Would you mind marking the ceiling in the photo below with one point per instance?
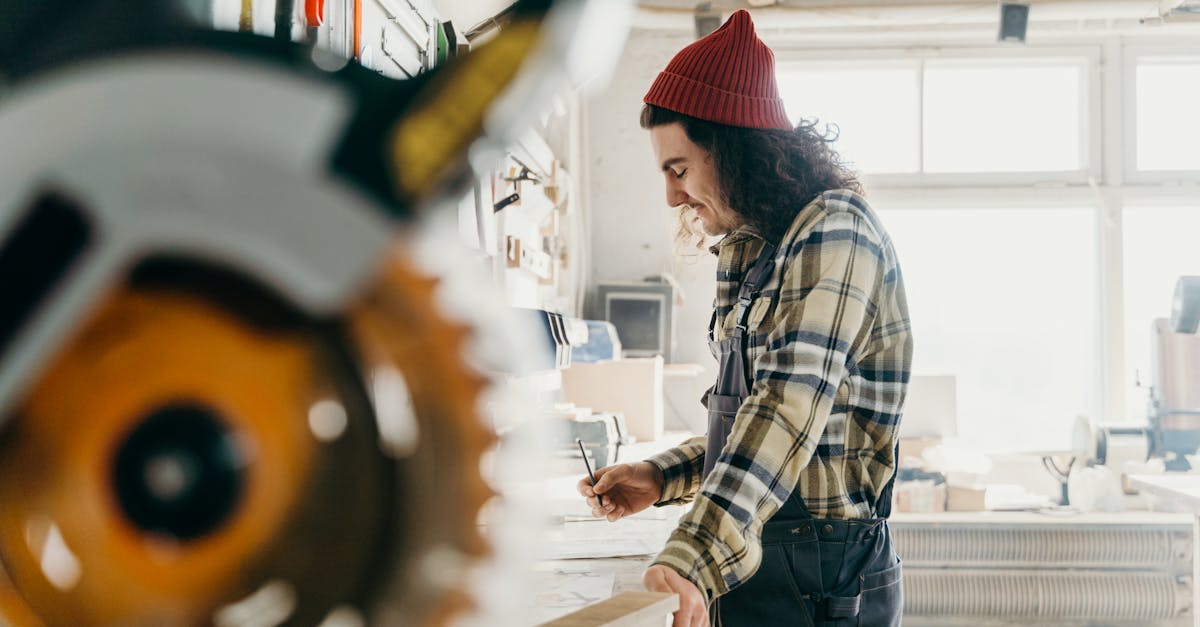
(798, 4)
(861, 15)
(865, 19)
(1094, 9)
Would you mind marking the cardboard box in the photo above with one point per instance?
(919, 496)
(965, 498)
(633, 387)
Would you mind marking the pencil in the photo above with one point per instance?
(599, 499)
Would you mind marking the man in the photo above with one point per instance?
(792, 485)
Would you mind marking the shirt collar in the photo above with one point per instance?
(740, 234)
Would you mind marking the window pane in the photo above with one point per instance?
(874, 138)
(1006, 301)
(1168, 128)
(1003, 117)
(1159, 246)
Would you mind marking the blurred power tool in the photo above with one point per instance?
(1172, 430)
(226, 394)
(1174, 411)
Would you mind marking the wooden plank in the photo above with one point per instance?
(628, 609)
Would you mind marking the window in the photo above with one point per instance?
(1010, 116)
(1006, 301)
(970, 115)
(986, 163)
(874, 138)
(1168, 113)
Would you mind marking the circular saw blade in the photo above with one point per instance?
(326, 513)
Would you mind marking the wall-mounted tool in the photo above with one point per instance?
(314, 12)
(506, 201)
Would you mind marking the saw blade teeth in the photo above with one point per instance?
(404, 321)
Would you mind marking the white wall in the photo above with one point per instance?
(631, 225)
(630, 220)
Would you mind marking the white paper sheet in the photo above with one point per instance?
(585, 548)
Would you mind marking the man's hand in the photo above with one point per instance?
(692, 611)
(627, 489)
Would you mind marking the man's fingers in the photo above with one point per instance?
(691, 612)
(610, 476)
(585, 487)
(685, 616)
(699, 617)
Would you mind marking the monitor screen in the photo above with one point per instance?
(638, 318)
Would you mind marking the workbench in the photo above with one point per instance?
(594, 573)
(1182, 492)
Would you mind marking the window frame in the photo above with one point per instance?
(1087, 56)
(1133, 53)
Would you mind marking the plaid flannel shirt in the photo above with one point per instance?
(829, 347)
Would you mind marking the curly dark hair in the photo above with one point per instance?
(765, 175)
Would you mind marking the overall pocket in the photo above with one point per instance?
(882, 603)
(770, 598)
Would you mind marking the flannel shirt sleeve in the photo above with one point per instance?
(681, 467)
(825, 308)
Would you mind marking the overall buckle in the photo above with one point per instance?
(743, 305)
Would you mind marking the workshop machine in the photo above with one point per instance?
(1174, 409)
(1172, 432)
(206, 260)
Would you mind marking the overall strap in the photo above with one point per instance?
(751, 286)
(733, 383)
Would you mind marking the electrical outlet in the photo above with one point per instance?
(535, 261)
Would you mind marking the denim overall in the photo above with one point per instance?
(816, 572)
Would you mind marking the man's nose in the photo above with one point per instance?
(675, 194)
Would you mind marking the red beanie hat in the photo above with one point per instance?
(728, 77)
